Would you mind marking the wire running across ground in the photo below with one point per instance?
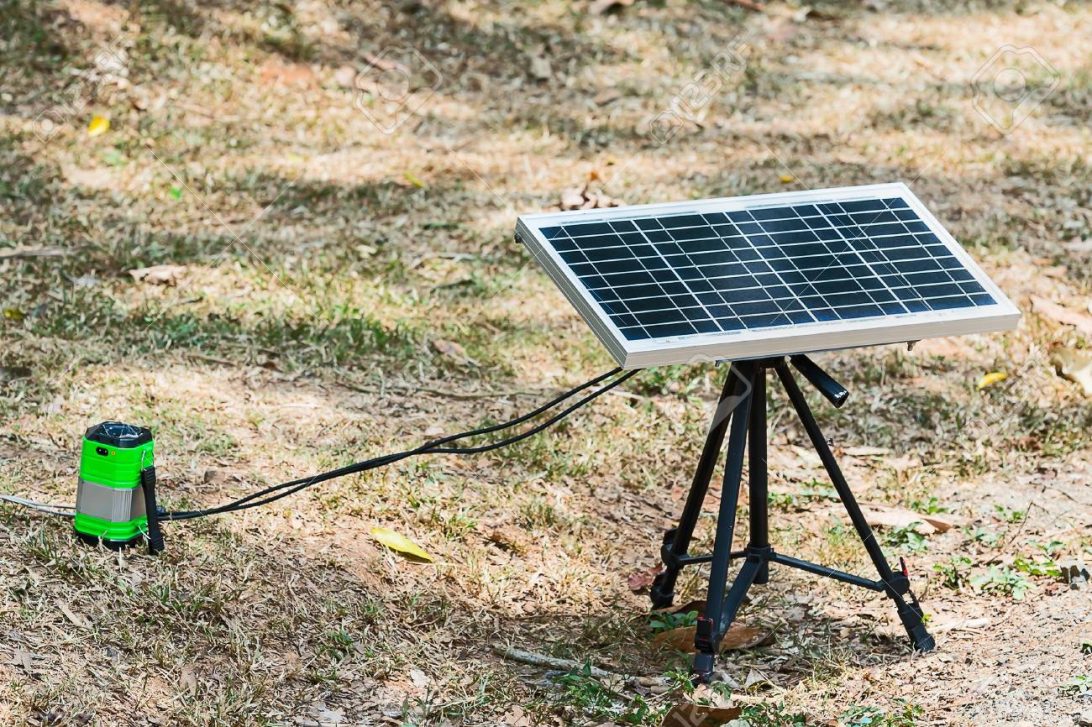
(434, 446)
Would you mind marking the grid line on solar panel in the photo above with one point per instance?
(723, 271)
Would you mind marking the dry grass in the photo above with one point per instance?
(323, 255)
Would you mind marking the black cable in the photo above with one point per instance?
(396, 456)
(431, 447)
(276, 492)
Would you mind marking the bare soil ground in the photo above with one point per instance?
(339, 182)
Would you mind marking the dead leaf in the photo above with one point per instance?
(507, 538)
(220, 477)
(23, 658)
(689, 713)
(517, 717)
(325, 715)
(540, 68)
(78, 620)
(451, 350)
(159, 274)
(400, 544)
(572, 199)
(14, 314)
(739, 637)
(586, 198)
(1075, 366)
(680, 639)
(896, 517)
(384, 64)
(867, 451)
(606, 96)
(641, 580)
(419, 678)
(754, 676)
(345, 76)
(187, 679)
(958, 624)
(1059, 314)
(697, 605)
(274, 73)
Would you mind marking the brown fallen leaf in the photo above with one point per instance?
(754, 676)
(739, 637)
(704, 708)
(451, 350)
(384, 63)
(220, 477)
(607, 96)
(958, 624)
(517, 717)
(273, 73)
(586, 198)
(572, 199)
(187, 680)
(507, 538)
(1075, 366)
(23, 658)
(697, 605)
(78, 620)
(345, 76)
(159, 274)
(540, 68)
(1060, 314)
(867, 451)
(896, 517)
(641, 580)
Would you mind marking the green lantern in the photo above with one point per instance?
(115, 496)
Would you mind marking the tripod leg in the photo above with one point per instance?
(711, 626)
(677, 541)
(757, 474)
(897, 585)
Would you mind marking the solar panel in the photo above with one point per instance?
(765, 275)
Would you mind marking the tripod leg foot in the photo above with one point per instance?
(662, 593)
(703, 667)
(915, 628)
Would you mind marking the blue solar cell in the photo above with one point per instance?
(683, 221)
(714, 272)
(863, 205)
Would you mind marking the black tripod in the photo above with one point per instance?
(743, 402)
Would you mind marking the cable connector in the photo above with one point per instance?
(155, 535)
